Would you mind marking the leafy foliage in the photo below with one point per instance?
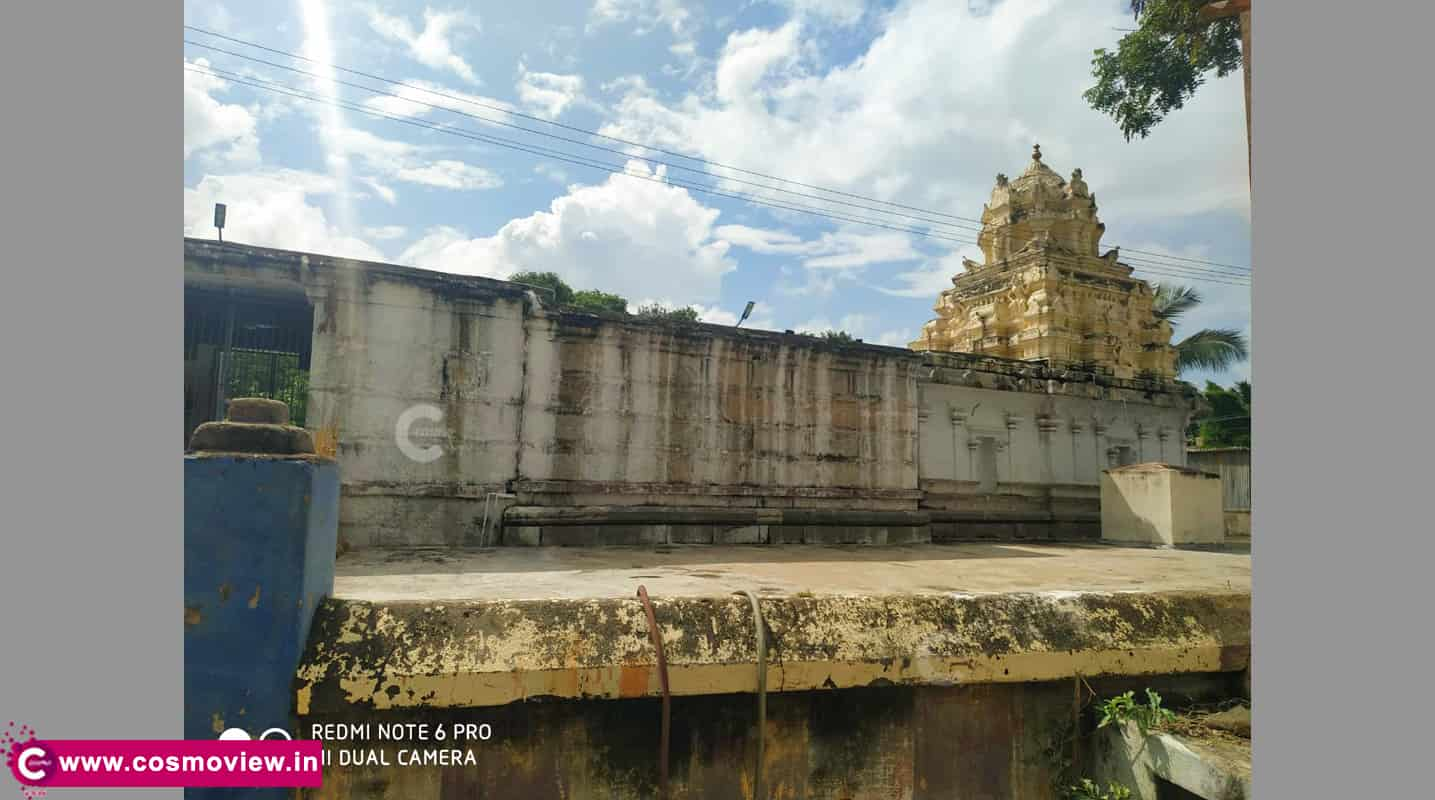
(1090, 790)
(595, 300)
(275, 375)
(562, 292)
(1172, 301)
(665, 314)
(1229, 422)
(1159, 66)
(1215, 349)
(841, 337)
(1124, 707)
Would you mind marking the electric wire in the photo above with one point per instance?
(1185, 273)
(629, 143)
(489, 120)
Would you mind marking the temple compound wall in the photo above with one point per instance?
(437, 391)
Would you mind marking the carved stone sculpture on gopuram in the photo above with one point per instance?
(1043, 293)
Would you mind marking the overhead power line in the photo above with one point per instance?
(490, 120)
(1158, 258)
(705, 173)
(615, 168)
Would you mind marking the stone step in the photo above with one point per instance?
(578, 526)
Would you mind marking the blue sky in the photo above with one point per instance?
(919, 102)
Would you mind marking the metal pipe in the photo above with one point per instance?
(761, 630)
(667, 699)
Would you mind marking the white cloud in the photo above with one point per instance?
(434, 45)
(762, 240)
(408, 163)
(840, 12)
(942, 100)
(271, 210)
(856, 325)
(384, 192)
(417, 98)
(749, 56)
(643, 16)
(553, 173)
(896, 338)
(637, 238)
(547, 94)
(227, 130)
(761, 319)
(384, 233)
(844, 249)
(448, 174)
(813, 284)
(932, 276)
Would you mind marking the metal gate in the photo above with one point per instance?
(244, 345)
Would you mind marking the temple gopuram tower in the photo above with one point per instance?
(1043, 293)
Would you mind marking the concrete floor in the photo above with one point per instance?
(522, 573)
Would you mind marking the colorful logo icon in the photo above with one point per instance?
(30, 760)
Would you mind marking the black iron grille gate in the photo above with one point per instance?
(242, 345)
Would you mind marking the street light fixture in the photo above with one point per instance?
(746, 312)
(219, 210)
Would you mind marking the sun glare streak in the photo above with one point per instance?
(319, 45)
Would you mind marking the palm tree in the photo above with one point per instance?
(1215, 349)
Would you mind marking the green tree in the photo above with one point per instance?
(841, 337)
(595, 300)
(1216, 349)
(1228, 424)
(662, 313)
(1160, 65)
(562, 292)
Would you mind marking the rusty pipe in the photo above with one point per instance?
(657, 638)
(761, 631)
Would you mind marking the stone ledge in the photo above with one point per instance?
(477, 653)
(582, 534)
(577, 487)
(1016, 530)
(689, 515)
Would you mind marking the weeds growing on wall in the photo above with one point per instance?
(1124, 708)
(1064, 744)
(1089, 790)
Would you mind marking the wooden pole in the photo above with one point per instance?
(1230, 8)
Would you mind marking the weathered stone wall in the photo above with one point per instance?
(1008, 451)
(387, 339)
(569, 408)
(566, 409)
(981, 740)
(383, 346)
(622, 412)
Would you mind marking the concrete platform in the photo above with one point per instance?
(429, 575)
(454, 629)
